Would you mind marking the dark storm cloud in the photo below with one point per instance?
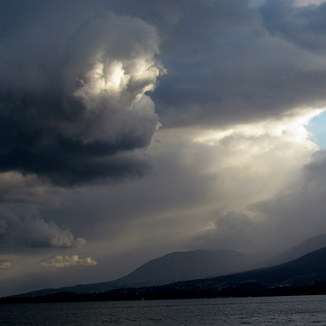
(227, 61)
(72, 101)
(304, 26)
(34, 232)
(226, 65)
(15, 189)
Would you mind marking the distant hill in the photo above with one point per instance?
(302, 271)
(305, 247)
(305, 275)
(188, 265)
(173, 267)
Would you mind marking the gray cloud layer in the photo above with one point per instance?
(303, 26)
(35, 233)
(229, 61)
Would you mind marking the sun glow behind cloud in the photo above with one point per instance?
(291, 127)
(100, 79)
(266, 156)
(116, 78)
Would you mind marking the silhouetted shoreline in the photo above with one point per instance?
(184, 290)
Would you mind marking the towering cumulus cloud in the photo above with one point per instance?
(74, 108)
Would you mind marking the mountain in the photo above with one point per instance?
(305, 275)
(305, 247)
(305, 270)
(173, 267)
(190, 265)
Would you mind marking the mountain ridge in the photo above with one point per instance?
(305, 275)
(183, 266)
(173, 266)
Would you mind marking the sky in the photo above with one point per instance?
(318, 130)
(133, 128)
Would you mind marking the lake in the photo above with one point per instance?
(294, 310)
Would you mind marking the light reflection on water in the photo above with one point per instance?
(296, 310)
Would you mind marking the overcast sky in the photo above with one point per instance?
(133, 128)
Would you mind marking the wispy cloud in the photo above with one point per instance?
(5, 264)
(68, 261)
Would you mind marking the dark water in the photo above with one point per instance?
(303, 310)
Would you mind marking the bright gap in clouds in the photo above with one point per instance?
(317, 127)
(290, 127)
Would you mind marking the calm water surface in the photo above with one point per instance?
(302, 310)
